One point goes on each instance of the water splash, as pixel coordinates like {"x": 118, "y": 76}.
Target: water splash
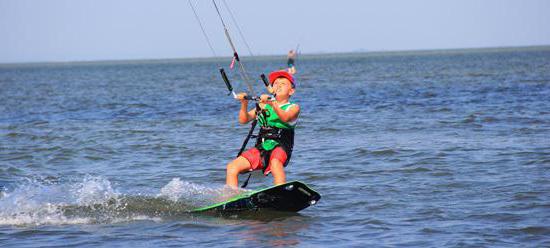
{"x": 94, "y": 190}
{"x": 94, "y": 200}
{"x": 40, "y": 202}
{"x": 196, "y": 194}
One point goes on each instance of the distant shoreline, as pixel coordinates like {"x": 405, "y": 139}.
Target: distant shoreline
{"x": 278, "y": 57}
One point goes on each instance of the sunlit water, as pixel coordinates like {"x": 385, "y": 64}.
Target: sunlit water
{"x": 417, "y": 149}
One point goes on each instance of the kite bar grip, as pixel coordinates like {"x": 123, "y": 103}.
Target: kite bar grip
{"x": 226, "y": 80}
{"x": 264, "y": 79}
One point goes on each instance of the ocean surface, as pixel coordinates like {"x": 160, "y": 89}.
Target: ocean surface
{"x": 407, "y": 149}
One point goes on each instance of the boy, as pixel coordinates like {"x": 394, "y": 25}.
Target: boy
{"x": 276, "y": 137}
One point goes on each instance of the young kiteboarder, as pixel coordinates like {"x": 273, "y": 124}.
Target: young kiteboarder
{"x": 277, "y": 119}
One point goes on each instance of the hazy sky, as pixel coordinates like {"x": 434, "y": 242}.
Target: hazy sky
{"x": 75, "y": 30}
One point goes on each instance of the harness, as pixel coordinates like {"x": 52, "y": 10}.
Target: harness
{"x": 285, "y": 138}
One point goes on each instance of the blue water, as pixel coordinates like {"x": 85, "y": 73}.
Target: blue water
{"x": 414, "y": 149}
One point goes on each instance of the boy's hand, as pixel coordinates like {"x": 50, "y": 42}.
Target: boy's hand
{"x": 265, "y": 99}
{"x": 241, "y": 97}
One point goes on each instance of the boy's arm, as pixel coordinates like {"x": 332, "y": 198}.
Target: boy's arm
{"x": 291, "y": 114}
{"x": 244, "y": 115}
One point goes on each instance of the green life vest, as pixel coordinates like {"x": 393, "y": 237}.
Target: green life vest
{"x": 270, "y": 119}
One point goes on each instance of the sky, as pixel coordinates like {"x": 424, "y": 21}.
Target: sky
{"x": 89, "y": 30}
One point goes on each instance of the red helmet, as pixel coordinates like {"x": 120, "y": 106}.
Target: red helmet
{"x": 280, "y": 74}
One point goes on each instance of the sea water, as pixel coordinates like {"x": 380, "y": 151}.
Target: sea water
{"x": 413, "y": 149}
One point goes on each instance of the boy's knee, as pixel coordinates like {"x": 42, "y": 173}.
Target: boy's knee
{"x": 275, "y": 163}
{"x": 277, "y": 167}
{"x": 231, "y": 168}
{"x": 278, "y": 171}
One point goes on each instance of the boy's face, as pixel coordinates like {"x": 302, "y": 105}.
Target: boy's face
{"x": 282, "y": 87}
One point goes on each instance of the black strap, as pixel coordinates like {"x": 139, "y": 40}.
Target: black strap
{"x": 245, "y": 142}
{"x": 252, "y": 126}
{"x": 246, "y": 181}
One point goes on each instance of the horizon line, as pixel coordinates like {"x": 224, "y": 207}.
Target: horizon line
{"x": 267, "y": 56}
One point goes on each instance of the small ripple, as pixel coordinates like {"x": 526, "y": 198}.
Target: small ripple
{"x": 470, "y": 119}
{"x": 17, "y": 157}
{"x": 138, "y": 105}
{"x": 439, "y": 109}
{"x": 442, "y": 173}
{"x": 20, "y": 135}
{"x": 193, "y": 225}
{"x": 401, "y": 170}
{"x": 415, "y": 170}
{"x": 489, "y": 119}
{"x": 431, "y": 230}
{"x": 384, "y": 152}
{"x": 531, "y": 230}
{"x": 477, "y": 74}
{"x": 499, "y": 217}
{"x": 520, "y": 196}
{"x": 328, "y": 129}
{"x": 383, "y": 206}
{"x": 94, "y": 158}
{"x": 36, "y": 232}
{"x": 373, "y": 223}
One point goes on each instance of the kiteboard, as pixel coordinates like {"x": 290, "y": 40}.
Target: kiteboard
{"x": 289, "y": 197}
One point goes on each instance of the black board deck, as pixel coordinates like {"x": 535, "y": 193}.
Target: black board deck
{"x": 289, "y": 197}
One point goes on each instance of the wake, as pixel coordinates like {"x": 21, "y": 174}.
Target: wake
{"x": 94, "y": 200}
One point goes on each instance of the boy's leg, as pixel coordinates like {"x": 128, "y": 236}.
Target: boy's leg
{"x": 234, "y": 168}
{"x": 276, "y": 165}
{"x": 278, "y": 171}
